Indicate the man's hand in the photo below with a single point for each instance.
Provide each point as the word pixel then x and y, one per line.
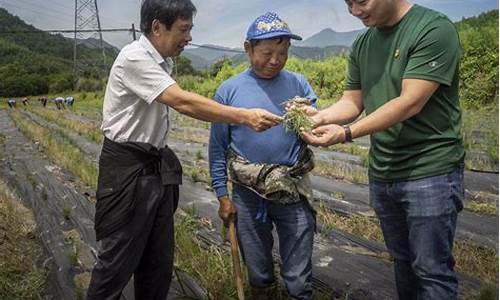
pixel 308 109
pixel 325 135
pixel 227 211
pixel 260 119
pixel 311 111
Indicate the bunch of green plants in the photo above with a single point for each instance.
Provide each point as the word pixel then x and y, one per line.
pixel 296 119
pixel 479 63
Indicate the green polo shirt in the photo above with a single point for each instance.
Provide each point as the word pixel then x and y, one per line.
pixel 424 45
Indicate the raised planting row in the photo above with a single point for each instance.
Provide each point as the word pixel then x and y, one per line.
pixel 63 211
pixel 200 189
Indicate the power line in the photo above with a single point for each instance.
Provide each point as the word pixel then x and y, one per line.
pixel 123 30
pixel 217 48
pixel 67 30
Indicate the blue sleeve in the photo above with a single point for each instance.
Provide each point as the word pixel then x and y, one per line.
pixel 217 155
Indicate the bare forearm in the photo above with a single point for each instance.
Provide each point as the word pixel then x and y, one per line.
pixel 341 113
pixel 346 110
pixel 414 95
pixel 200 107
pixel 389 114
pixel 206 109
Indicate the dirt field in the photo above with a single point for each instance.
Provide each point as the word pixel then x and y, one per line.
pixel 43 162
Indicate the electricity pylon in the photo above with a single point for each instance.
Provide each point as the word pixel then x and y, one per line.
pixel 87 32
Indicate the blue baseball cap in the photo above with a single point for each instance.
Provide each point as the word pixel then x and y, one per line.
pixel 269 26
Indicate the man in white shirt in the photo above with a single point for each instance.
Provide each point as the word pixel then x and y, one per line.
pixel 139 175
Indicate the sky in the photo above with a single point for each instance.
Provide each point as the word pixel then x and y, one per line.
pixel 224 22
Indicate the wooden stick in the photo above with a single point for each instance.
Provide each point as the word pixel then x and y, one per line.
pixel 236 260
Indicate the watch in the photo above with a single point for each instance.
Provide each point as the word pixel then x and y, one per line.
pixel 348 134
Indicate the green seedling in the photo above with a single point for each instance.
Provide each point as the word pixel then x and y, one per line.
pixel 296 119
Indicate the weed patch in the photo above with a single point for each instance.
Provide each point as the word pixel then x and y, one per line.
pixel 20 253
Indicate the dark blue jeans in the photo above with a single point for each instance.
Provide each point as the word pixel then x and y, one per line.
pixel 295 227
pixel 418 220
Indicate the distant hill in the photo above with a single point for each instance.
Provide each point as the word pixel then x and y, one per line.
pixel 329 37
pixel 95 43
pixel 317 53
pixel 198 62
pixel 203 58
pixel 212 53
pixel 39 62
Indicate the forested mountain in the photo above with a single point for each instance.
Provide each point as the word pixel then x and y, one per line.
pixel 329 37
pixel 38 62
pixel 204 58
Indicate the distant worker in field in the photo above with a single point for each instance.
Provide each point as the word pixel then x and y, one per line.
pixel 26 101
pixel 269 170
pixel 69 101
pixel 59 101
pixel 43 100
pixel 403 72
pixel 11 102
pixel 139 175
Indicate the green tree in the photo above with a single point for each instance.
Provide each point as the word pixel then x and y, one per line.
pixel 217 66
pixel 184 67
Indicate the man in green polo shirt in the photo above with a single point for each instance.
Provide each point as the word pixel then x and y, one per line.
pixel 403 72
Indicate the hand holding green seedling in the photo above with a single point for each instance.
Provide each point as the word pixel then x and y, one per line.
pixel 297 118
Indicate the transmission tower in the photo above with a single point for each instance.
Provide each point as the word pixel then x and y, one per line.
pixel 87 31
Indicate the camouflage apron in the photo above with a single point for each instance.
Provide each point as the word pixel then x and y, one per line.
pixel 276 183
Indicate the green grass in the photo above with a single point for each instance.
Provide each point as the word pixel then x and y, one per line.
pixel 88 130
pixel 484 208
pixel 66 212
pixel 471 259
pixel 196 173
pixel 341 171
pixel 32 180
pixel 212 267
pixel 351 148
pixel 484 121
pixel 488 292
pixel 60 150
pixel 366 227
pixel 199 155
pixel 21 276
pixel 298 121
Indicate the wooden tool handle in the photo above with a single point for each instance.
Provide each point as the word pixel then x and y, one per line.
pixel 236 261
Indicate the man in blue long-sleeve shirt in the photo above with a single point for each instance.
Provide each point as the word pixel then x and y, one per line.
pixel 265 85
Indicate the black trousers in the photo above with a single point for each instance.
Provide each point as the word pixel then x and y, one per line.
pixel 143 247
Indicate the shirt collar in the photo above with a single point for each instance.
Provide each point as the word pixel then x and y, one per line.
pixel 146 44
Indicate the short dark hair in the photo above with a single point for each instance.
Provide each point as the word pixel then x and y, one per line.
pixel 279 40
pixel 166 11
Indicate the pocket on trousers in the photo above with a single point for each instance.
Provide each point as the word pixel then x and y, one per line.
pixel 114 207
